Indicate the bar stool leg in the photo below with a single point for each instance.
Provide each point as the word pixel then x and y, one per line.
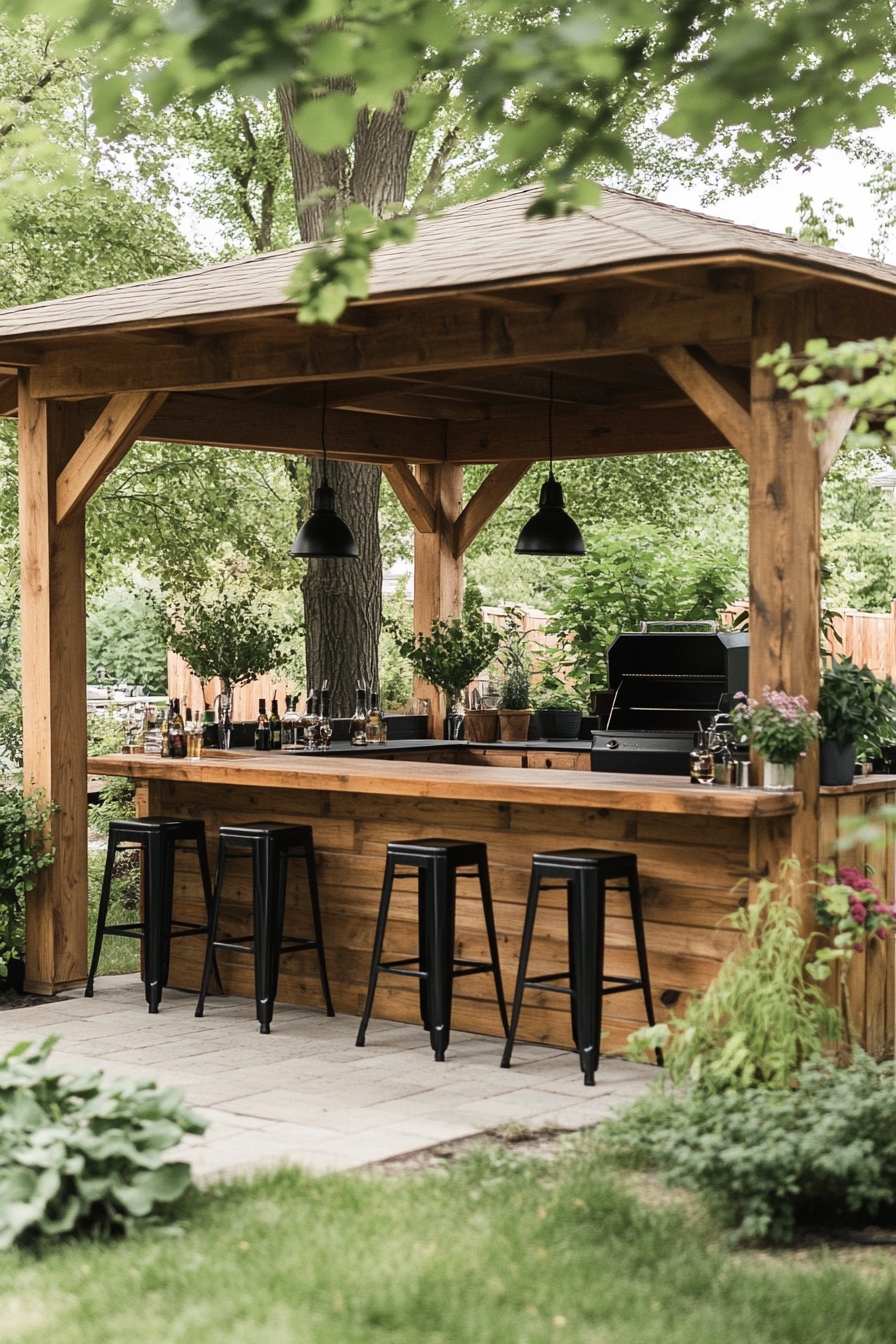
pixel 379 939
pixel 573 968
pixel 634 896
pixel 488 911
pixel 423 950
pixel 202 852
pixel 440 904
pixel 102 914
pixel 528 927
pixel 212 929
pixel 311 868
pixel 268 905
pixel 587 961
pixel 157 929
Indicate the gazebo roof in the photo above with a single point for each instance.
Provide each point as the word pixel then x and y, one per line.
pixel 483 243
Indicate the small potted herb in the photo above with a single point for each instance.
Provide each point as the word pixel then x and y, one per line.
pixel 451 656
pixel 858 714
pixel 24 850
pixel 780 729
pixel 515 706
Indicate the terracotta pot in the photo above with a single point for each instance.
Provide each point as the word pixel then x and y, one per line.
pixel 481 725
pixel 514 724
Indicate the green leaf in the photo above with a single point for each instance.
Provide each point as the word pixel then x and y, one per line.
pixel 326 123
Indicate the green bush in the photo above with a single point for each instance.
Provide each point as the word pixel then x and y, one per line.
pixel 24 850
pixel 770 1160
pixel 81 1154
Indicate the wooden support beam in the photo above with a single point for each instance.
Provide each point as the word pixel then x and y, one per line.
pixel 104 445
pixel 785 544
pixel 412 498
pixel 402 338
pixel 718 394
pixel 840 422
pixel 9 395
pixel 54 691
pixel 485 503
pixel 438 572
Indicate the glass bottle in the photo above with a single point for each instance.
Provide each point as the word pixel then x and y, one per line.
pixel 152 732
pixel 194 731
pixel 325 727
pixel 166 746
pixel 275 726
pixel 262 729
pixel 177 737
pixel 358 726
pixel 290 727
pixel 310 722
pixel 702 761
pixel 376 724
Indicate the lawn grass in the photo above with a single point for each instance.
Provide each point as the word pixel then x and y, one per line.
pixel 497 1249
pixel 120 956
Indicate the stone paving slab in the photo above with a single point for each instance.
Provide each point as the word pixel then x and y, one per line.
pixel 305 1095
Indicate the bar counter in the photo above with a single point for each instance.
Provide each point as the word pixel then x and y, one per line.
pixel 696 849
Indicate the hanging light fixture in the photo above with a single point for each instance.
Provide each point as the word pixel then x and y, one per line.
pixel 324 535
pixel 550 531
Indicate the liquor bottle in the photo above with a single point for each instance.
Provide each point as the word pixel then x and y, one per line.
pixel 276 726
pixel 166 751
pixel 702 761
pixel 311 723
pixel 193 730
pixel 290 726
pixel 376 724
pixel 177 737
pixel 325 727
pixel 358 726
pixel 262 729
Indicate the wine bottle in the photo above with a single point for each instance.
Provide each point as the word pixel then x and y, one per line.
pixel 262 729
pixel 276 726
pixel 358 727
pixel 290 727
pixel 166 745
pixel 376 724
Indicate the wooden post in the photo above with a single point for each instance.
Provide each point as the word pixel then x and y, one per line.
pixel 438 573
pixel 54 690
pixel 785 545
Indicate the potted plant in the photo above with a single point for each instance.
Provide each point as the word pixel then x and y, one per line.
pixel 514 708
pixel 780 729
pixel 559 710
pixel 225 637
pixel 23 852
pixel 858 714
pixel 450 656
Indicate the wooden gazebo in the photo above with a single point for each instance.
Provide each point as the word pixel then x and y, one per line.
pixel 651 318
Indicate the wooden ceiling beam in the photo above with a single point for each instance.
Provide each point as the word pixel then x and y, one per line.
pixel 403 340
pixel 9 395
pixel 717 393
pixel 103 447
pixel 411 496
pixel 486 501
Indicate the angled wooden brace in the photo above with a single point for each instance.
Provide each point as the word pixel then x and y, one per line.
pixel 485 503
pixel 411 495
pixel 713 390
pixel 104 445
pixel 840 422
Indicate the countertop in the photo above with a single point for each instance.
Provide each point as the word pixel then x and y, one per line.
pixel 362 770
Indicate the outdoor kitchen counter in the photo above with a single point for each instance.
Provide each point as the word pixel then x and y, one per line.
pixel 696 848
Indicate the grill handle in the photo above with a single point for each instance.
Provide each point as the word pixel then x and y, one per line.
pixel 653 625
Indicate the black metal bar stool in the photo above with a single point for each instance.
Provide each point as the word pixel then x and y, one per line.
pixel 157 838
pixel 270 845
pixel 585 874
pixel 437 863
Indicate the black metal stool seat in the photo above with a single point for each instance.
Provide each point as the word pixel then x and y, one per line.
pixel 585 874
pixel 157 838
pixel 270 845
pixel 438 864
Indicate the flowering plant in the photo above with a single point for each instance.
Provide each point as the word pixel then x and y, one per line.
pixel 780 729
pixel 851 904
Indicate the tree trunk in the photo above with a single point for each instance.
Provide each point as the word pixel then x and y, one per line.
pixel 343 598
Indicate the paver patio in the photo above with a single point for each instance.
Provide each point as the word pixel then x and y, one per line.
pixel 306 1095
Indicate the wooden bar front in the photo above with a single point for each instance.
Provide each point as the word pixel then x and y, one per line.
pixel 697 851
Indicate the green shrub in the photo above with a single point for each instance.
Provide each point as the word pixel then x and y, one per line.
pixel 24 850
pixel 80 1154
pixel 762 1015
pixel 769 1160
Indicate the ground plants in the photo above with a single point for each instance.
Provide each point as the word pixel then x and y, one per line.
pixel 78 1153
pixel 24 850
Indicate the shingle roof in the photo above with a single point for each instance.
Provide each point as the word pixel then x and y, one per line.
pixel 483 242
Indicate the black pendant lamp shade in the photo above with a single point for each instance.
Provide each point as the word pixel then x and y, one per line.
pixel 324 535
pixel 551 531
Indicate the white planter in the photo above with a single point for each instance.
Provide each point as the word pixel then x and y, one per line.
pixel 777 778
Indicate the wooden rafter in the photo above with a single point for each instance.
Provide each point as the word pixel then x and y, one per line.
pixel 9 396
pixel 718 394
pixel 411 496
pixel 487 500
pixel 103 447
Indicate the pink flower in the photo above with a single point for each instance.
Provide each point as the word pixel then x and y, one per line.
pixel 859 912
pixel 880 909
pixel 858 947
pixel 882 934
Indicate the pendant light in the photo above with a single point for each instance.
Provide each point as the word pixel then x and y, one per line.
pixel 550 531
pixel 324 535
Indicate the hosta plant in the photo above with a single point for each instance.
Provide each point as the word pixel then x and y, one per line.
pixel 79 1153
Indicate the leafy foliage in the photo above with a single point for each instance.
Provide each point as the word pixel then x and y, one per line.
pixel 453 653
pixel 24 851
pixel 126 639
pixel 80 1154
pixel 780 728
pixel 851 906
pixel 225 636
pixel 856 706
pixel 761 1016
pixel 769 1160
pixel 516 663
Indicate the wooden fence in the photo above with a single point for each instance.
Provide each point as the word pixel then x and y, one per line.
pixel 867 637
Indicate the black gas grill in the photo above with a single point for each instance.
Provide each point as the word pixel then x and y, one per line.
pixel 667 679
